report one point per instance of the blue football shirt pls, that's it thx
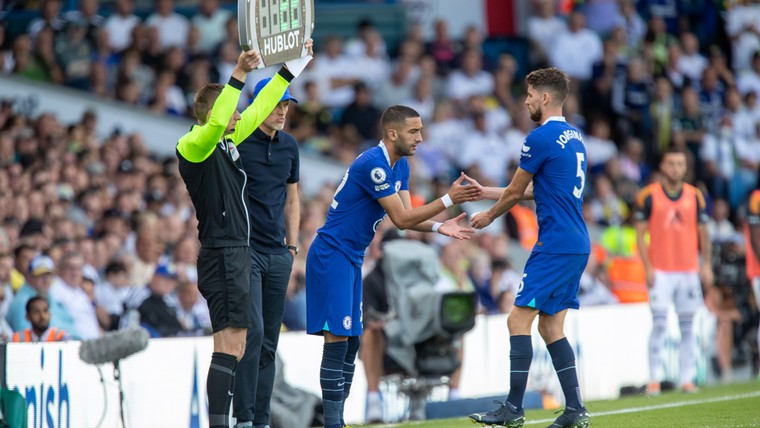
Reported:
(355, 213)
(554, 153)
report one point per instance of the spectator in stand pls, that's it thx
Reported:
(173, 28)
(604, 74)
(154, 304)
(593, 288)
(40, 280)
(471, 79)
(443, 49)
(210, 22)
(692, 62)
(422, 98)
(87, 13)
(336, 74)
(192, 311)
(397, 88)
(38, 315)
(50, 17)
(366, 42)
(632, 162)
(67, 289)
(607, 207)
(543, 30)
(631, 100)
(576, 50)
(719, 154)
(749, 80)
(711, 95)
(742, 28)
(361, 116)
(599, 145)
(112, 293)
(120, 25)
(486, 157)
(631, 23)
(662, 111)
(689, 126)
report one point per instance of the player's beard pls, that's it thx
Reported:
(536, 114)
(403, 148)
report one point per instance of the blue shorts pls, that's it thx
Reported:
(333, 291)
(550, 282)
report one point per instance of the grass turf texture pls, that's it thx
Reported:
(722, 406)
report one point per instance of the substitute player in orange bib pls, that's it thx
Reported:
(752, 240)
(673, 212)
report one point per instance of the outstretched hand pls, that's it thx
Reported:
(248, 61)
(459, 192)
(481, 220)
(452, 228)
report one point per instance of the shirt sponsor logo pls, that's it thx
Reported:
(525, 148)
(382, 187)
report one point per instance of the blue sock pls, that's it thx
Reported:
(520, 357)
(348, 371)
(331, 381)
(563, 359)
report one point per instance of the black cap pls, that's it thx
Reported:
(32, 226)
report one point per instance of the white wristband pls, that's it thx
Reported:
(436, 226)
(446, 199)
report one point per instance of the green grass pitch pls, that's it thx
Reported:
(723, 406)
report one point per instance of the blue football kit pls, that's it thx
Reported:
(556, 156)
(333, 265)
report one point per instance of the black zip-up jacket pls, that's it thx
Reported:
(210, 165)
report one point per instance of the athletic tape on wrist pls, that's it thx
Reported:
(446, 199)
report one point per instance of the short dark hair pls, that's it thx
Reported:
(550, 80)
(673, 150)
(31, 301)
(115, 267)
(397, 114)
(204, 100)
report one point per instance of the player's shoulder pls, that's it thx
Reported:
(646, 193)
(370, 164)
(754, 202)
(698, 193)
(370, 157)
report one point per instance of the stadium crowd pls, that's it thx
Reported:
(99, 224)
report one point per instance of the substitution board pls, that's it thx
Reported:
(276, 29)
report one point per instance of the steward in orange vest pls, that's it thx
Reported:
(38, 314)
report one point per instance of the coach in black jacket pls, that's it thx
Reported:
(270, 159)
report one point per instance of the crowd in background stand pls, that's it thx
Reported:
(111, 216)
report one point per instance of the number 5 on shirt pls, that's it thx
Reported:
(581, 173)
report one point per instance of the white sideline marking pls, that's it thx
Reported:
(619, 411)
(661, 406)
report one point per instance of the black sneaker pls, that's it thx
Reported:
(506, 415)
(572, 418)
